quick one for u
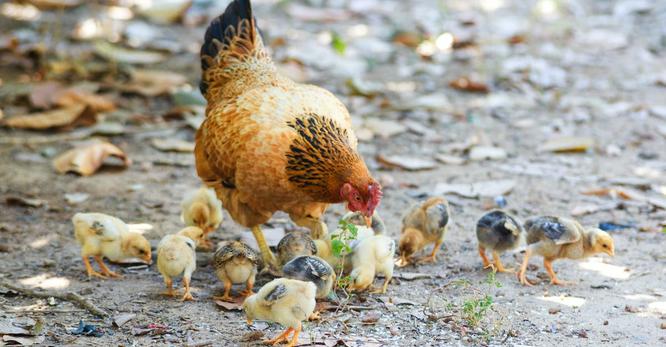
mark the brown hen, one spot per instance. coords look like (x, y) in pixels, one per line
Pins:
(268, 143)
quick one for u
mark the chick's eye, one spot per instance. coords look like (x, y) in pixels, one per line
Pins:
(605, 246)
(141, 251)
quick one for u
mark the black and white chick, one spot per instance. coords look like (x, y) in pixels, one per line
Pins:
(311, 269)
(498, 232)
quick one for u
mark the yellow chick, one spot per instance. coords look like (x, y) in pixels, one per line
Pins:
(176, 256)
(101, 235)
(424, 223)
(324, 248)
(202, 209)
(284, 301)
(236, 263)
(371, 256)
(556, 238)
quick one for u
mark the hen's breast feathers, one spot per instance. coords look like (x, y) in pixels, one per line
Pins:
(247, 144)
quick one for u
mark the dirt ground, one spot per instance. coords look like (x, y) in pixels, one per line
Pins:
(591, 69)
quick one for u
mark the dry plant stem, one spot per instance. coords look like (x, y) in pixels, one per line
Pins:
(67, 296)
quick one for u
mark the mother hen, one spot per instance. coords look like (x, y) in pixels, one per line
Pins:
(269, 144)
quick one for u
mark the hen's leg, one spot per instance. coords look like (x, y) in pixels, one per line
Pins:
(279, 338)
(266, 254)
(91, 272)
(498, 263)
(318, 229)
(523, 268)
(105, 270)
(548, 264)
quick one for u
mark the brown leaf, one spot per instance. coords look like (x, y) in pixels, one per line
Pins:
(71, 97)
(229, 306)
(121, 319)
(24, 340)
(55, 4)
(120, 54)
(152, 83)
(252, 336)
(406, 162)
(468, 85)
(85, 160)
(41, 95)
(370, 317)
(554, 310)
(409, 39)
(63, 118)
(631, 309)
(26, 202)
(567, 145)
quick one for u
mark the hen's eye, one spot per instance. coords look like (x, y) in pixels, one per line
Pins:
(357, 198)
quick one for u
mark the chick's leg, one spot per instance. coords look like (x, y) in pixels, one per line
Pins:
(227, 290)
(266, 254)
(248, 287)
(187, 296)
(548, 264)
(294, 339)
(279, 338)
(105, 270)
(499, 267)
(433, 256)
(484, 259)
(384, 287)
(91, 272)
(169, 285)
(523, 268)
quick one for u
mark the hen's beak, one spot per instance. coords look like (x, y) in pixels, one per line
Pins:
(368, 221)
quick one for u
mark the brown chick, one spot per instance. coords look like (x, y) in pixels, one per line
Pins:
(202, 209)
(498, 232)
(294, 244)
(284, 301)
(101, 235)
(424, 223)
(557, 238)
(176, 256)
(236, 263)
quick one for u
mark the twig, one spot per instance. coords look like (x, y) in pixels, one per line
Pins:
(200, 344)
(67, 296)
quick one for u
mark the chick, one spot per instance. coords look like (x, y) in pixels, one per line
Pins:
(371, 256)
(101, 235)
(324, 248)
(235, 263)
(295, 244)
(311, 269)
(424, 223)
(498, 232)
(284, 301)
(376, 223)
(202, 209)
(176, 256)
(557, 237)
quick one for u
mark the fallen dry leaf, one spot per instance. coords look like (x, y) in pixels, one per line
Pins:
(72, 97)
(64, 118)
(24, 340)
(127, 56)
(165, 12)
(468, 85)
(41, 95)
(173, 145)
(120, 319)
(476, 189)
(411, 276)
(152, 83)
(55, 4)
(87, 159)
(567, 145)
(406, 162)
(370, 317)
(479, 153)
(229, 306)
(26, 202)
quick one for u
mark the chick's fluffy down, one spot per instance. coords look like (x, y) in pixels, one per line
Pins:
(284, 301)
(176, 256)
(371, 256)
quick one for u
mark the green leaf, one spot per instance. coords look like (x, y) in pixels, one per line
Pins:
(338, 44)
(353, 230)
(337, 247)
(663, 230)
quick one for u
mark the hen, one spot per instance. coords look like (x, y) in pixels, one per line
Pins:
(269, 144)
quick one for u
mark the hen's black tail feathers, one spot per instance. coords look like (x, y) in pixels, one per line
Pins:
(222, 34)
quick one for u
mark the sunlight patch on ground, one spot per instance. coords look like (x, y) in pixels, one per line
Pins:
(640, 297)
(570, 301)
(657, 307)
(41, 242)
(608, 270)
(45, 282)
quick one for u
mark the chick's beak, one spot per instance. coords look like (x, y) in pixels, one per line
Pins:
(249, 321)
(611, 252)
